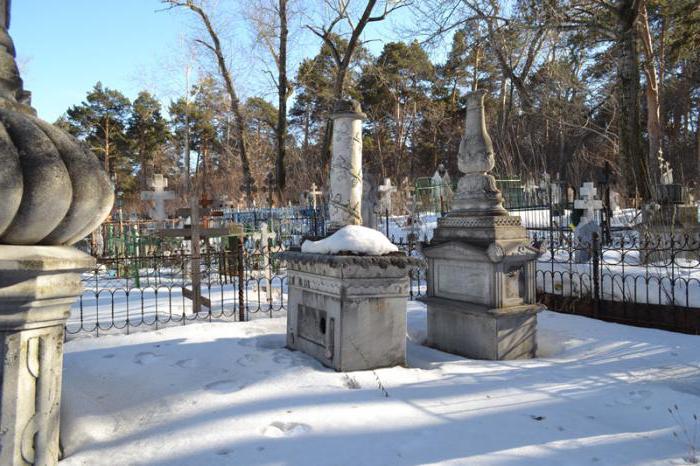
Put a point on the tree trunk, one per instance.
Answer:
(631, 150)
(230, 89)
(282, 91)
(654, 130)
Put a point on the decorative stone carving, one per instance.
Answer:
(477, 193)
(52, 192)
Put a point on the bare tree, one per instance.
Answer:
(653, 92)
(270, 19)
(342, 58)
(214, 46)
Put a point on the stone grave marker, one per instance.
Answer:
(158, 196)
(588, 224)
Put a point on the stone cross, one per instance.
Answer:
(158, 196)
(313, 193)
(588, 202)
(386, 190)
(345, 200)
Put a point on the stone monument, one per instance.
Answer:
(481, 267)
(345, 200)
(159, 195)
(588, 224)
(348, 310)
(442, 188)
(53, 193)
(370, 202)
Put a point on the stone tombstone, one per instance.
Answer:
(348, 311)
(53, 193)
(159, 195)
(345, 200)
(481, 267)
(370, 202)
(588, 225)
(442, 186)
(385, 191)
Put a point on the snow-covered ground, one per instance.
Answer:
(229, 393)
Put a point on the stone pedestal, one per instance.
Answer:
(349, 312)
(481, 288)
(38, 284)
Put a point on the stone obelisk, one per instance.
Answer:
(481, 268)
(52, 193)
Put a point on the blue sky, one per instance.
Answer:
(65, 46)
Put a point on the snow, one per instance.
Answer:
(352, 238)
(230, 393)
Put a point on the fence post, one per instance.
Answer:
(596, 271)
(241, 280)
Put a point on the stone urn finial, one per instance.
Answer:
(477, 194)
(53, 189)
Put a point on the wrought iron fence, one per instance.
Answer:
(642, 279)
(128, 293)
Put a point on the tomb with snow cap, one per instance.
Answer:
(348, 291)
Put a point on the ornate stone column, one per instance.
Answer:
(345, 205)
(481, 268)
(53, 192)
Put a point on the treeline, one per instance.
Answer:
(572, 85)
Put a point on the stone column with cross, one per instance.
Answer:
(588, 224)
(158, 196)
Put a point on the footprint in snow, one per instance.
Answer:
(223, 386)
(108, 356)
(351, 383)
(248, 360)
(146, 358)
(285, 429)
(186, 363)
(635, 396)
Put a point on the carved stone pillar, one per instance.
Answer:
(345, 207)
(38, 284)
(53, 192)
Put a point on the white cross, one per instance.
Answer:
(386, 190)
(158, 196)
(588, 202)
(313, 193)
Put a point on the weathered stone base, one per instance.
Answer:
(348, 312)
(38, 284)
(477, 332)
